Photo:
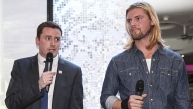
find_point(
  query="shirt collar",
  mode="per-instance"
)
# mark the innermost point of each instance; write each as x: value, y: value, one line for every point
x: 135, y: 49
x: 161, y: 49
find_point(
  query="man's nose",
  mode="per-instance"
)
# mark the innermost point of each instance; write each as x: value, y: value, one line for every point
x: 52, y: 43
x: 132, y: 23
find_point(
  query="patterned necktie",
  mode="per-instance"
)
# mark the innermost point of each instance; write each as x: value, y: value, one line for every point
x: 44, y: 99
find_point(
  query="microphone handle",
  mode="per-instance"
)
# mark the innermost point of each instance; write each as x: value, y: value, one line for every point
x: 138, y: 93
x: 47, y: 87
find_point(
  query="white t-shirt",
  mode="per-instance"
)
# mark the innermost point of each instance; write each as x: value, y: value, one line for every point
x: 148, y: 61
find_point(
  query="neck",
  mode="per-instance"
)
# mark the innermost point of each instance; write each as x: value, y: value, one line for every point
x: 148, y: 53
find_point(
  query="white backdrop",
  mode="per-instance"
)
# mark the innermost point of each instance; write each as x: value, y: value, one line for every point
x: 93, y: 32
x: 18, y: 22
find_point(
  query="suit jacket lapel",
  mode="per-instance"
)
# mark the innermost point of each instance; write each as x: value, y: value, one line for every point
x: 35, y: 76
x: 58, y: 80
x: 58, y: 76
x: 35, y: 70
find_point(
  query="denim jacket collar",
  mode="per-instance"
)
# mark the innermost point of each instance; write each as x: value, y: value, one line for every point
x: 134, y: 49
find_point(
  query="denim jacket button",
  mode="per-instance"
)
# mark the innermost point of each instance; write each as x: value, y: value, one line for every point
x: 151, y: 99
x: 150, y: 85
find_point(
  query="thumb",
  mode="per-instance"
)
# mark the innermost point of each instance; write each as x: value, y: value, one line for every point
x: 144, y: 96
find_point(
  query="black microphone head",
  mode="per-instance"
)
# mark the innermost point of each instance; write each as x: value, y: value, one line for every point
x: 49, y: 57
x: 139, y: 87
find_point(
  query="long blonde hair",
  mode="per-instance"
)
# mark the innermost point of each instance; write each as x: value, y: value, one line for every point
x: 155, y: 30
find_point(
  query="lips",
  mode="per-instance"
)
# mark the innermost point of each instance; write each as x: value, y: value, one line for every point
x: 51, y: 50
x: 134, y: 29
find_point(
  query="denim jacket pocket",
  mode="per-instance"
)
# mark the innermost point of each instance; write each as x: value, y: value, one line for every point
x: 129, y: 77
x: 167, y: 78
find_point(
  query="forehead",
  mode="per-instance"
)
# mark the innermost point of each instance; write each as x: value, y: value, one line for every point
x: 136, y: 12
x: 51, y: 31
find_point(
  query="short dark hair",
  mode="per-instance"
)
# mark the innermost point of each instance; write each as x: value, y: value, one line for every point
x: 47, y: 24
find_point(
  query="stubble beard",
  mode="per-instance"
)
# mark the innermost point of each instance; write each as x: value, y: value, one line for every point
x: 140, y: 35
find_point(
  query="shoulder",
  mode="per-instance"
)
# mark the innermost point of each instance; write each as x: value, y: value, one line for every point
x: 123, y: 56
x: 27, y: 59
x: 67, y: 63
x: 172, y: 55
x: 25, y: 63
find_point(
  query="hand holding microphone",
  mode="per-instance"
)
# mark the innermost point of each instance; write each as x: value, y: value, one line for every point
x: 48, y: 66
x: 135, y: 101
x: 46, y: 78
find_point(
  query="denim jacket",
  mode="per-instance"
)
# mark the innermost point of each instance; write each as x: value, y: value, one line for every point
x: 166, y: 84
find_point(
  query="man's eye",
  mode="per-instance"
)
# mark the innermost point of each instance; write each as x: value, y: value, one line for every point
x: 48, y: 38
x: 129, y: 20
x: 138, y: 18
x: 57, y: 39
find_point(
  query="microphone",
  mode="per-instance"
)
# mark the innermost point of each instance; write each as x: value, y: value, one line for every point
x: 139, y: 87
x: 48, y: 66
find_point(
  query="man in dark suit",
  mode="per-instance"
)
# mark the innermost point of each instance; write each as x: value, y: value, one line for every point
x: 28, y: 80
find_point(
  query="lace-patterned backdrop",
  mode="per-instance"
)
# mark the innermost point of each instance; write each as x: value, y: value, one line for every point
x: 93, y: 32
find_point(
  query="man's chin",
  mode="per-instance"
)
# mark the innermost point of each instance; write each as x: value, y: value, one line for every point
x: 54, y: 54
x: 136, y: 38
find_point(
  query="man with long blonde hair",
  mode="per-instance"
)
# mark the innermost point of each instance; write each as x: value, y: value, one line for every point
x: 148, y: 59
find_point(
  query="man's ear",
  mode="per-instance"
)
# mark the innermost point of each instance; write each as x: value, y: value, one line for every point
x: 152, y: 23
x: 37, y: 41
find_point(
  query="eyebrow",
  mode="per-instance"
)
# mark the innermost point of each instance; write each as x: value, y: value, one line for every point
x: 51, y: 36
x: 47, y: 36
x: 57, y: 37
x: 139, y: 16
x: 136, y: 16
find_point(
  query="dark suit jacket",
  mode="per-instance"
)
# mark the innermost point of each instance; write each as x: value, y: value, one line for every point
x: 23, y: 91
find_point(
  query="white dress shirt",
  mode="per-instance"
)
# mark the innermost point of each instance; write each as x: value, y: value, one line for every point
x: 41, y: 65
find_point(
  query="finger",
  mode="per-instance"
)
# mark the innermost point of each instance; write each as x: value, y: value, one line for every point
x: 48, y: 74
x: 135, y: 101
x: 135, y: 106
x: 53, y: 73
x: 136, y: 97
x: 144, y: 96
